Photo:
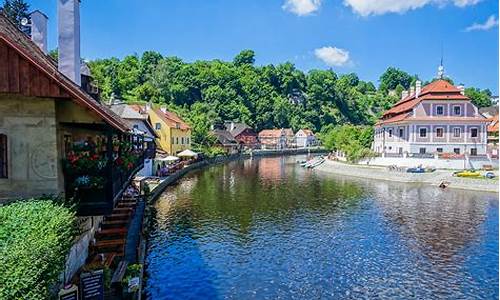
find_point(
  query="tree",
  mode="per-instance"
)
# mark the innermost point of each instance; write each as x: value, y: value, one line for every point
x: 245, y: 57
x: 16, y: 10
x: 479, y: 98
x: 393, y: 77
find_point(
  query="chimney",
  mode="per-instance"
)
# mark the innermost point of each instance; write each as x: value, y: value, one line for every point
x: 148, y: 107
x: 462, y: 89
x: 163, y: 109
x: 39, y: 29
x: 418, y: 88
x: 231, y: 126
x: 404, y: 94
x: 412, y: 90
x: 68, y: 25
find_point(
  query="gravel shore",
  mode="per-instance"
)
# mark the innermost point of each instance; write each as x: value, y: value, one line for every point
x: 434, y: 178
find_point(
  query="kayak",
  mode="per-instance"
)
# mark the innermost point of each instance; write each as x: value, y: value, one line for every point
x: 467, y: 173
x: 415, y: 170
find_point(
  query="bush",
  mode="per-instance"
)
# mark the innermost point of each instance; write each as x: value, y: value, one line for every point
x: 35, y: 237
x: 354, y: 141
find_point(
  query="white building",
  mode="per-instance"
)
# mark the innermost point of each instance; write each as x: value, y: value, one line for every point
x: 305, y: 138
x: 437, y: 119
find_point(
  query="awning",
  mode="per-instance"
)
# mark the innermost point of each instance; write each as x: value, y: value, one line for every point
x: 187, y: 153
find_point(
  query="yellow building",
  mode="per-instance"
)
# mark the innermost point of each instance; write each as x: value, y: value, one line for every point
x: 174, y: 134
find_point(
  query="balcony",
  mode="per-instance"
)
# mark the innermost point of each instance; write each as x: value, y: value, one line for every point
x: 95, y: 180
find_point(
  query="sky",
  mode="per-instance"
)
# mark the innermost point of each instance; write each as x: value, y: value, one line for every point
x: 360, y: 36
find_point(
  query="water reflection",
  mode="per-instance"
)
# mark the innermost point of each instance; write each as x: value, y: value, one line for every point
x: 266, y: 229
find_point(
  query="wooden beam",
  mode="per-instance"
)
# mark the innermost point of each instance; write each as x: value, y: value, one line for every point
x: 4, y: 70
x: 13, y: 71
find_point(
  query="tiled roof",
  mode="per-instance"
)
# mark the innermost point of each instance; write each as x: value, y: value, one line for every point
x: 224, y: 137
x: 238, y: 128
x: 276, y: 133
x: 171, y: 119
x: 493, y: 127
x: 308, y: 132
x: 31, y: 52
x: 437, y: 90
x: 288, y: 131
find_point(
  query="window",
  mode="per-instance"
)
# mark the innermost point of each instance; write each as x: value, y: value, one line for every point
x: 187, y: 140
x: 439, y: 150
x: 400, y: 150
x: 456, y: 110
x: 473, y: 151
x: 456, y: 150
x: 473, y: 133
x: 390, y: 132
x: 423, y: 132
x: 401, y: 132
x: 172, y: 140
x: 390, y: 147
x: 457, y: 132
x: 177, y: 125
x: 3, y: 156
x: 157, y: 126
x: 135, y: 126
x: 182, y: 140
x: 440, y: 110
x: 439, y: 132
x: 421, y: 150
x: 177, y: 140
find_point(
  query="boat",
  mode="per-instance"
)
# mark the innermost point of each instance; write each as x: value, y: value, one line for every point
x: 489, y: 175
x: 467, y: 173
x: 316, y: 163
x: 415, y: 170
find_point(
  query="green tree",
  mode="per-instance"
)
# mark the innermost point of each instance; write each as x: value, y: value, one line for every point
x: 393, y: 77
x: 479, y: 98
x: 245, y: 57
x: 16, y: 10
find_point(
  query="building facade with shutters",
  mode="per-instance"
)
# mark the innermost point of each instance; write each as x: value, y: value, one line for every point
x: 437, y: 119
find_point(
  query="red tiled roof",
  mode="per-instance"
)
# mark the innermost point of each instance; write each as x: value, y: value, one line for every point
x: 437, y: 90
x: 308, y: 132
x: 172, y: 119
x: 27, y: 50
x: 270, y: 133
x: 493, y: 127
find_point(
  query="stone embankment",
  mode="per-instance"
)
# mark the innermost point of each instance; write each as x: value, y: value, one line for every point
x: 434, y: 178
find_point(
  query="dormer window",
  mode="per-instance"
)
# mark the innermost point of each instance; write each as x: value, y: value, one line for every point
x: 440, y: 110
x: 177, y: 125
x: 457, y: 111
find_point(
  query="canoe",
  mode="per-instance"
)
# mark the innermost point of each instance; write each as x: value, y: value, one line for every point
x: 467, y: 174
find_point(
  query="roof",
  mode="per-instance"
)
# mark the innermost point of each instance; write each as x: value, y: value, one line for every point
x: 489, y: 111
x: 288, y: 132
x: 493, y: 127
x: 224, y: 137
x: 238, y: 128
x: 307, y: 132
x: 126, y: 111
x: 29, y: 55
x: 436, y: 90
x: 271, y: 133
x: 171, y: 119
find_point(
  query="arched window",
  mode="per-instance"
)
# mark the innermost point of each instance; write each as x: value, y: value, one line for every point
x: 3, y: 156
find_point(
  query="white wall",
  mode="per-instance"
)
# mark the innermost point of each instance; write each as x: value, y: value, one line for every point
x: 458, y: 164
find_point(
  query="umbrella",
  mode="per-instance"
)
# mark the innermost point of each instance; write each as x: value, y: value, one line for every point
x: 187, y: 153
x: 168, y: 158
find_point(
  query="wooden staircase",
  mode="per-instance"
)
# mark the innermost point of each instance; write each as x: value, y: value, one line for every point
x: 109, y: 241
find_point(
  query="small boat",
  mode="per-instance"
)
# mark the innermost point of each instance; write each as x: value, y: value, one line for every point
x: 316, y: 163
x: 489, y: 175
x: 415, y: 170
x: 467, y: 173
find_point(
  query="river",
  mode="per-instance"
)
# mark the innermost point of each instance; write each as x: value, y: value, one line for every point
x: 268, y: 229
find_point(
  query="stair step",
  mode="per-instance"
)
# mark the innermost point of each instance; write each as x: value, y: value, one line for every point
x: 111, y: 232
x: 122, y: 223
x: 123, y: 210
x: 109, y: 243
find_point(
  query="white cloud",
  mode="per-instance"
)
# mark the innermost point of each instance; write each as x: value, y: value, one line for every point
x: 490, y: 23
x: 379, y: 7
x: 302, y: 7
x: 332, y: 56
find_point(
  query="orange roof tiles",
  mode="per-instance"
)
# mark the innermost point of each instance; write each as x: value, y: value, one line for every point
x: 270, y: 133
x: 171, y: 119
x: 493, y: 127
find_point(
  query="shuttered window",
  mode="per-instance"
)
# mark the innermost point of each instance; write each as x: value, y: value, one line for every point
x: 3, y: 156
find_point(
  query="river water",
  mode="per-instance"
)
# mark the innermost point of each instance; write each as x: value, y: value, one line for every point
x: 268, y: 229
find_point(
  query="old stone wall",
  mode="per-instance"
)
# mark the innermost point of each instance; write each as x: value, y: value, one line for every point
x: 33, y: 162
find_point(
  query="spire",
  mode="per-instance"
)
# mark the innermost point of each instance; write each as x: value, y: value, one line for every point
x: 440, y: 74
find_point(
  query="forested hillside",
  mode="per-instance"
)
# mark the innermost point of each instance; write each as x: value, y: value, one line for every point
x: 204, y: 92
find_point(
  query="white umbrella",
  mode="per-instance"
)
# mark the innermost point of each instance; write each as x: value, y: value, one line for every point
x: 187, y: 153
x: 168, y: 158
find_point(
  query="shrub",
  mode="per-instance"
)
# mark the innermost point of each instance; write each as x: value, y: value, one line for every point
x: 35, y: 237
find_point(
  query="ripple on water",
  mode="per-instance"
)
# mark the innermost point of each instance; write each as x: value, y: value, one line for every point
x: 267, y: 229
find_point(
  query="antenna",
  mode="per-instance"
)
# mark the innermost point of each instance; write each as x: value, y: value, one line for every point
x: 441, y: 66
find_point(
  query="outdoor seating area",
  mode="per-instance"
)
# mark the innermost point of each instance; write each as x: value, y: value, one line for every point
x: 167, y: 165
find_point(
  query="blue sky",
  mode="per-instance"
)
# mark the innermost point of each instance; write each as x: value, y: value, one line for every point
x: 361, y: 36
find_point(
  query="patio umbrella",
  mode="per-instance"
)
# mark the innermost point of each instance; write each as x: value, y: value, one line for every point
x: 187, y: 153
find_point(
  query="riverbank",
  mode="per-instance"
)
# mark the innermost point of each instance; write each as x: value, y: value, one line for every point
x: 434, y: 178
